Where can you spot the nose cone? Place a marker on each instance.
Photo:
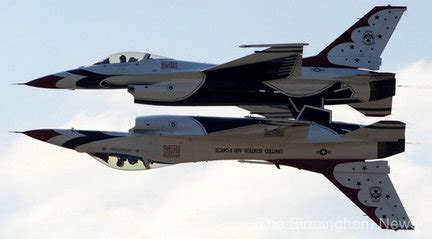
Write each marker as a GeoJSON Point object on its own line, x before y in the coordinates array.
{"type": "Point", "coordinates": [41, 134]}
{"type": "Point", "coordinates": [49, 81]}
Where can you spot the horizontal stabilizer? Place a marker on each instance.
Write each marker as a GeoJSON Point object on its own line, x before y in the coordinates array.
{"type": "Point", "coordinates": [384, 130]}
{"type": "Point", "coordinates": [366, 184]}
{"type": "Point", "coordinates": [376, 108]}
{"type": "Point", "coordinates": [390, 136]}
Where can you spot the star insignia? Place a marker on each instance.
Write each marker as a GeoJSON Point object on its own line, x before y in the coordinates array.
{"type": "Point", "coordinates": [323, 152]}
{"type": "Point", "coordinates": [379, 36]}
{"type": "Point", "coordinates": [387, 196]}
{"type": "Point", "coordinates": [358, 183]}
{"type": "Point", "coordinates": [376, 17]}
{"type": "Point", "coordinates": [357, 60]}
{"type": "Point", "coordinates": [364, 168]}
{"type": "Point", "coordinates": [351, 46]}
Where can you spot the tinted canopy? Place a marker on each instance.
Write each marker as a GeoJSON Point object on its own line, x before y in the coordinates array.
{"type": "Point", "coordinates": [123, 57]}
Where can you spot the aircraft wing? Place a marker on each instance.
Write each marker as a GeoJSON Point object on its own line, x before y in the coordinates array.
{"type": "Point", "coordinates": [269, 128]}
{"type": "Point", "coordinates": [366, 184]}
{"type": "Point", "coordinates": [277, 61]}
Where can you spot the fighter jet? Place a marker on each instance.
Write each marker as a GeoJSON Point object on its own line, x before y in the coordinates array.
{"type": "Point", "coordinates": [274, 82]}
{"type": "Point", "coordinates": [339, 151]}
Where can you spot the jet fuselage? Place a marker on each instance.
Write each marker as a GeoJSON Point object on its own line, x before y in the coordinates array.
{"type": "Point", "coordinates": [166, 140]}
{"type": "Point", "coordinates": [183, 83]}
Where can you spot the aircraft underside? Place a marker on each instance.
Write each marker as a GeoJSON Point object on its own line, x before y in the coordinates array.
{"type": "Point", "coordinates": [288, 125]}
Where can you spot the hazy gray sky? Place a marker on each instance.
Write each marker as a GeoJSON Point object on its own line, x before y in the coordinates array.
{"type": "Point", "coordinates": [50, 192]}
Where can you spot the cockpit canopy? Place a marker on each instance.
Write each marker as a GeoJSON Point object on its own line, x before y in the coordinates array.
{"type": "Point", "coordinates": [127, 162]}
{"type": "Point", "coordinates": [123, 57]}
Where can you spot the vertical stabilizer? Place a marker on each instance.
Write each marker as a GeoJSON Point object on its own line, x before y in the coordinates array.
{"type": "Point", "coordinates": [362, 44]}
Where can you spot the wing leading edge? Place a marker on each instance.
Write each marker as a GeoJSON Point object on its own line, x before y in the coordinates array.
{"type": "Point", "coordinates": [278, 61]}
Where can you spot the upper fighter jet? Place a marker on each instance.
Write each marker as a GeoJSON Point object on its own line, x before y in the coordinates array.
{"type": "Point", "coordinates": [339, 151]}
{"type": "Point", "coordinates": [274, 82]}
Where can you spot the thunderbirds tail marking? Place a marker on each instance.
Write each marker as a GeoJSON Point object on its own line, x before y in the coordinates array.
{"type": "Point", "coordinates": [366, 184]}
{"type": "Point", "coordinates": [362, 44]}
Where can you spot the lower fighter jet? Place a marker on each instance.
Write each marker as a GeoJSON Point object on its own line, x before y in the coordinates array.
{"type": "Point", "coordinates": [274, 82]}
{"type": "Point", "coordinates": [339, 151]}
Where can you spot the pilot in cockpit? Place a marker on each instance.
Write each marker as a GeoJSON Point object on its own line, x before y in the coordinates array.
{"type": "Point", "coordinates": [122, 59]}
{"type": "Point", "coordinates": [133, 59]}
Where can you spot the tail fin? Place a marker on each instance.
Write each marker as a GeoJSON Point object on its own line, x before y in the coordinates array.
{"type": "Point", "coordinates": [366, 184]}
{"type": "Point", "coordinates": [362, 44]}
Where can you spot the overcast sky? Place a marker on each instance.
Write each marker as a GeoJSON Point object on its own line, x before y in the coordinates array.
{"type": "Point", "coordinates": [51, 192]}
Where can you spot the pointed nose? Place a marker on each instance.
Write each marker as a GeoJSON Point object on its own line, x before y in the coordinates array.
{"type": "Point", "coordinates": [48, 81]}
{"type": "Point", "coordinates": [42, 134]}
